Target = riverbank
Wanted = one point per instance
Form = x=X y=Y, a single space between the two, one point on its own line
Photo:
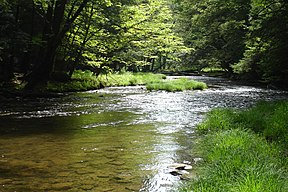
x=86 y=80
x=80 y=81
x=244 y=150
x=119 y=139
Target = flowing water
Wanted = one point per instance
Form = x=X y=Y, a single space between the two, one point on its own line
x=115 y=139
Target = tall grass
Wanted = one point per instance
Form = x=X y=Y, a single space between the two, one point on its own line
x=86 y=80
x=80 y=81
x=244 y=151
x=176 y=85
x=268 y=119
x=128 y=79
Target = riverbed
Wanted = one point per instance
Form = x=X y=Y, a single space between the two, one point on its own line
x=117 y=139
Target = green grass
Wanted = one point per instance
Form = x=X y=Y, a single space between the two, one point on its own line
x=86 y=80
x=130 y=79
x=80 y=81
x=268 y=119
x=176 y=85
x=212 y=69
x=244 y=150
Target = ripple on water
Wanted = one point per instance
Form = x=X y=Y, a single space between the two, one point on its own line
x=115 y=139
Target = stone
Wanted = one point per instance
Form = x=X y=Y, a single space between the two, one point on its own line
x=177 y=172
x=180 y=166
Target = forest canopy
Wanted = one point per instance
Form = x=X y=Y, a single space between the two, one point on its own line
x=41 y=39
x=241 y=36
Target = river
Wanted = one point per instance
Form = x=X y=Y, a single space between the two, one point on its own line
x=119 y=139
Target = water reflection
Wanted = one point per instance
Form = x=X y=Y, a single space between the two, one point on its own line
x=115 y=139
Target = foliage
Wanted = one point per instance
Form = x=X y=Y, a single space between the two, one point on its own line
x=122 y=35
x=214 y=29
x=39 y=38
x=266 y=43
x=152 y=43
x=243 y=36
x=177 y=85
x=244 y=150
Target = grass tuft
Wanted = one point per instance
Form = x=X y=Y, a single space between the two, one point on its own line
x=130 y=79
x=176 y=85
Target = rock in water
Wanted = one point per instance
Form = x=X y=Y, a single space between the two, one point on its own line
x=179 y=172
x=180 y=166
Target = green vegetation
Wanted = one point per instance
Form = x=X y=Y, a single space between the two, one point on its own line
x=80 y=81
x=127 y=78
x=177 y=85
x=244 y=150
x=245 y=37
x=86 y=80
x=39 y=38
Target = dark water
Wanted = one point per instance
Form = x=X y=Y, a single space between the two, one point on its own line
x=115 y=139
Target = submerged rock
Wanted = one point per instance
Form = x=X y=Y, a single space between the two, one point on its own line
x=178 y=172
x=180 y=169
x=180 y=166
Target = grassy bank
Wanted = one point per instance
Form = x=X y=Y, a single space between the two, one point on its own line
x=177 y=85
x=86 y=80
x=244 y=150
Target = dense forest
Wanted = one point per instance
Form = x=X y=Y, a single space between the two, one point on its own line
x=44 y=40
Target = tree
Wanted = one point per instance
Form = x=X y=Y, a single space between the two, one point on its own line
x=96 y=37
x=215 y=30
x=58 y=19
x=116 y=34
x=151 y=43
x=266 y=44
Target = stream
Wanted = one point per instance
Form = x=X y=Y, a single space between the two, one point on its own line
x=118 y=139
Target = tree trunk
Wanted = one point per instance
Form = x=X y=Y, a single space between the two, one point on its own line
x=41 y=73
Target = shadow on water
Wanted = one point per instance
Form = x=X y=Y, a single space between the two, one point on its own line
x=58 y=125
x=115 y=139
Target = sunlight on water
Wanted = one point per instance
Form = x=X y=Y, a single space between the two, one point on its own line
x=118 y=139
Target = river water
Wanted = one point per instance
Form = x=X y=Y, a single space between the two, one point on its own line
x=119 y=139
